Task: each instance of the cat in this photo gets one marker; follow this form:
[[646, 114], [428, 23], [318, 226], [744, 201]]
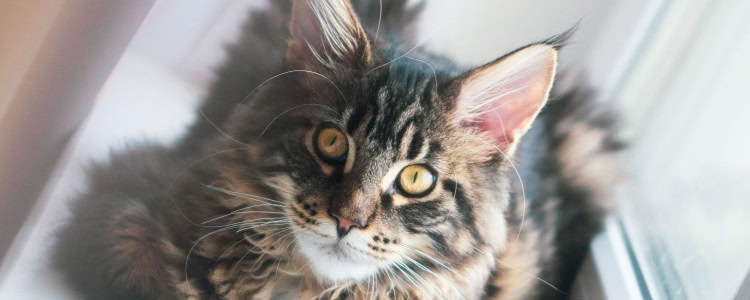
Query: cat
[[332, 162]]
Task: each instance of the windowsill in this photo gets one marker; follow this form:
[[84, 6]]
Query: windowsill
[[609, 271]]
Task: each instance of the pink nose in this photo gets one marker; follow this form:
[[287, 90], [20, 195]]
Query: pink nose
[[344, 225]]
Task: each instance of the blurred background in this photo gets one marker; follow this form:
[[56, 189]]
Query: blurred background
[[79, 78]]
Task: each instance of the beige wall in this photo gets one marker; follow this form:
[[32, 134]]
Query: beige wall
[[23, 26]]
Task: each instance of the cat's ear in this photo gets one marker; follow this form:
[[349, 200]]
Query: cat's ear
[[502, 98], [326, 33]]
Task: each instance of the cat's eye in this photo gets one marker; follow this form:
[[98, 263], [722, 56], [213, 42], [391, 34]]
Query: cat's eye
[[416, 180], [331, 144]]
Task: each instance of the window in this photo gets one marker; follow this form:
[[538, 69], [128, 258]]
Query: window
[[684, 211]]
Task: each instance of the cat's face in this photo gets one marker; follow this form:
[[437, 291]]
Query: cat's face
[[382, 162], [385, 177]]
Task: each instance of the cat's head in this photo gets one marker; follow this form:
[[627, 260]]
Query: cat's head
[[382, 156]]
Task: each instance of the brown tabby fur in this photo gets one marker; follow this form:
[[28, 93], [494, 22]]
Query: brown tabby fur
[[221, 215]]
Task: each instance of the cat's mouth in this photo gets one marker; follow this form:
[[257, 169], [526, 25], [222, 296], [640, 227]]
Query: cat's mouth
[[336, 260], [337, 250]]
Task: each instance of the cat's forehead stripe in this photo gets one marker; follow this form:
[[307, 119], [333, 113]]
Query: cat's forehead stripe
[[356, 118], [401, 135], [374, 114], [415, 146]]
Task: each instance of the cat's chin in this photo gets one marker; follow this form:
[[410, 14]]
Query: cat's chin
[[335, 263]]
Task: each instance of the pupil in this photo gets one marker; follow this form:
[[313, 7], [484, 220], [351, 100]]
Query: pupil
[[414, 180], [333, 140]]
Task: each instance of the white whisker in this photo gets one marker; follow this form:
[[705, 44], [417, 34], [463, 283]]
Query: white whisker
[[523, 191], [268, 223], [408, 277], [192, 247], [228, 248], [288, 110], [289, 72], [437, 262], [242, 195], [394, 286], [278, 264], [532, 276], [434, 74], [421, 279], [171, 185], [407, 52], [426, 269], [522, 271], [238, 211], [218, 129], [380, 18], [256, 247]]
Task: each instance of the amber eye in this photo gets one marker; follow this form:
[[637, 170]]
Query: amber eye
[[331, 144], [416, 180]]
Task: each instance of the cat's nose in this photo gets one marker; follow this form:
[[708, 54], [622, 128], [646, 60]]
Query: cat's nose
[[344, 225]]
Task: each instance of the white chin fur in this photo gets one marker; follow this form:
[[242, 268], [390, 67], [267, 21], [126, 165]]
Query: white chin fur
[[332, 263]]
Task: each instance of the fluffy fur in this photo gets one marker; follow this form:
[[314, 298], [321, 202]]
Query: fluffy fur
[[249, 210]]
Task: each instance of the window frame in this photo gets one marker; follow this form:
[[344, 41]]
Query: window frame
[[614, 269]]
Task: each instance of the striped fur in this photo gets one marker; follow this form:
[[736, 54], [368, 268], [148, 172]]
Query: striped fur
[[247, 212]]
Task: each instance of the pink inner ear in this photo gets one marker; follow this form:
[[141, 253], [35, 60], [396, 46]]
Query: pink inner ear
[[503, 98], [508, 117]]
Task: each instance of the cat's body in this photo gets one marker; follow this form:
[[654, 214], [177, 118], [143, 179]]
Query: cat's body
[[154, 223]]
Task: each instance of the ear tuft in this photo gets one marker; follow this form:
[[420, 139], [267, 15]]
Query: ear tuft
[[326, 32], [561, 40], [503, 98]]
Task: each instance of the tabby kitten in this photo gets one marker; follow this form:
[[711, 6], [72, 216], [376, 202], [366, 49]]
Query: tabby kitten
[[350, 167]]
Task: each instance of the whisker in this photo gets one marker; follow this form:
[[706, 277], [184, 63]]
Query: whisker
[[523, 191], [241, 210], [218, 129], [278, 263], [398, 286], [192, 247], [420, 278], [256, 247], [523, 272], [434, 75], [532, 276], [275, 188], [262, 212], [385, 271], [288, 110], [407, 52], [283, 252], [247, 212], [375, 285], [242, 195], [291, 254], [242, 223], [371, 286], [227, 250], [171, 185], [408, 277], [426, 269], [268, 223], [437, 262], [380, 18], [392, 288], [289, 72]]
